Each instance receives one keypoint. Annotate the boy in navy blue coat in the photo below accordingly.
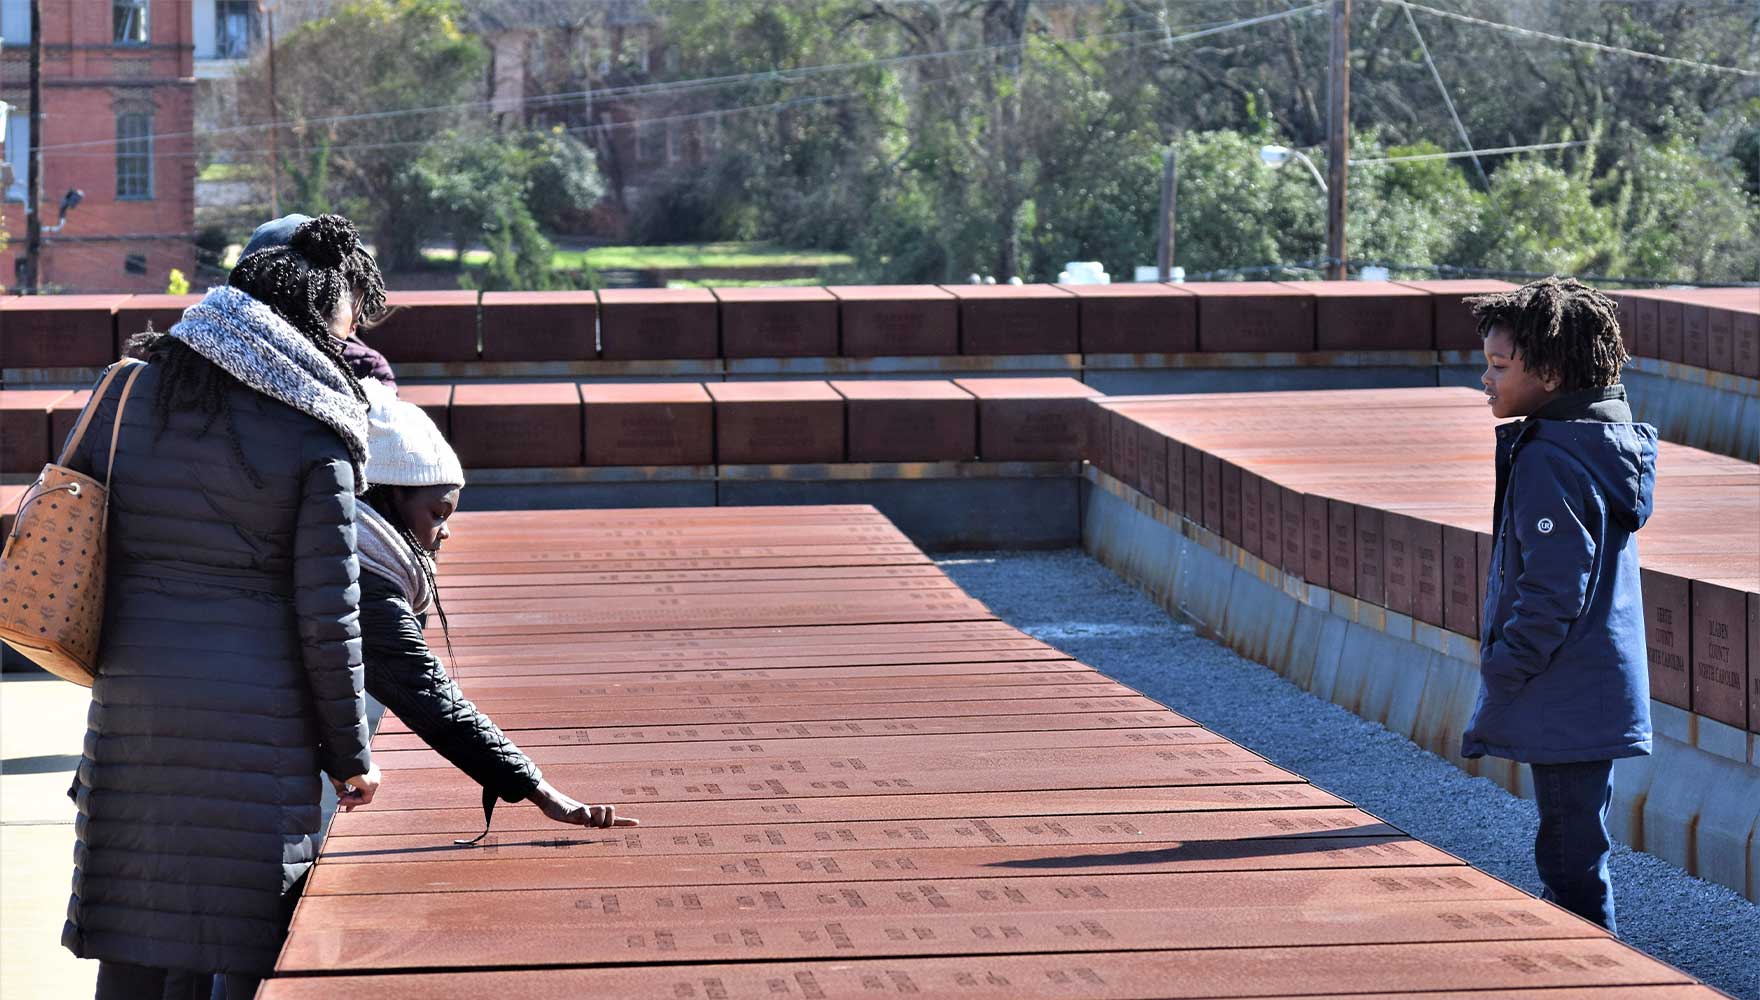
(1562, 655)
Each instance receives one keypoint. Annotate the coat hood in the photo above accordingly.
(1595, 427)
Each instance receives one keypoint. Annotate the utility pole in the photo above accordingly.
(33, 219)
(1338, 139)
(268, 11)
(1169, 206)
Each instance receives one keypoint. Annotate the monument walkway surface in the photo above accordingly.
(855, 781)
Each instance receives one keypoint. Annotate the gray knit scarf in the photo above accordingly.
(383, 551)
(248, 341)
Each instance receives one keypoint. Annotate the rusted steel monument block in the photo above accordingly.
(1370, 316)
(426, 327)
(1253, 316)
(777, 423)
(1030, 419)
(518, 426)
(1016, 319)
(58, 331)
(1136, 318)
(658, 324)
(897, 320)
(667, 423)
(782, 322)
(540, 326)
(931, 420)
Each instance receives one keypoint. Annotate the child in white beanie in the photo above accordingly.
(400, 524)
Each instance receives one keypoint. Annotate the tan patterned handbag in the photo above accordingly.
(52, 569)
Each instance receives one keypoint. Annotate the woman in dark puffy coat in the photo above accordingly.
(415, 480)
(229, 674)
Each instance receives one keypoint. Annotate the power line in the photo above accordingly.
(1536, 147)
(1491, 272)
(1580, 43)
(676, 86)
(1447, 100)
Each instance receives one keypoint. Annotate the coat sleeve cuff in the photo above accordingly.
(344, 768)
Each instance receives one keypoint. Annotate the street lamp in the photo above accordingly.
(1277, 156)
(69, 201)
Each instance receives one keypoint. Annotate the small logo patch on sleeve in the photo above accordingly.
(1544, 525)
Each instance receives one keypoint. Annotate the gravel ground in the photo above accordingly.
(1072, 602)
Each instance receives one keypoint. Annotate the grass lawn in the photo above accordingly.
(742, 283)
(230, 172)
(728, 255)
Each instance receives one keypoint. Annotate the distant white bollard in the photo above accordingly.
(1084, 272)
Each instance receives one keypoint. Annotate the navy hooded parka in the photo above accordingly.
(1562, 652)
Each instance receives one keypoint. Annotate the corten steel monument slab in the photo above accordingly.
(897, 320)
(1136, 318)
(1030, 419)
(658, 324)
(426, 326)
(535, 425)
(652, 424)
(539, 326)
(58, 331)
(1016, 319)
(138, 313)
(839, 806)
(1670, 327)
(1754, 663)
(1695, 334)
(914, 420)
(1720, 653)
(1641, 322)
(63, 417)
(782, 322)
(1253, 316)
(777, 423)
(1597, 967)
(24, 428)
(435, 401)
(1456, 329)
(1745, 341)
(1369, 316)
(1668, 637)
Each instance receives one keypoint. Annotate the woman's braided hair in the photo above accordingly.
(303, 282)
(1561, 328)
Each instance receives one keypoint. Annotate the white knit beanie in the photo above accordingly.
(404, 448)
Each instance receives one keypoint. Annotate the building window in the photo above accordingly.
(129, 18)
(15, 21)
(235, 28)
(134, 155)
(135, 263)
(650, 142)
(17, 166)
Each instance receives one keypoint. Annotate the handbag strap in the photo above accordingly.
(85, 417)
(117, 423)
(116, 432)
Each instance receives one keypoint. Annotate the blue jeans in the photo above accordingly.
(1572, 847)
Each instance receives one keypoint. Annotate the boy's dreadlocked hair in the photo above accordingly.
(1561, 327)
(380, 498)
(303, 282)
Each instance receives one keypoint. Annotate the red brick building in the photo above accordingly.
(118, 86)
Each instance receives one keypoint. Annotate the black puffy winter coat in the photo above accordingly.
(406, 677)
(229, 676)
